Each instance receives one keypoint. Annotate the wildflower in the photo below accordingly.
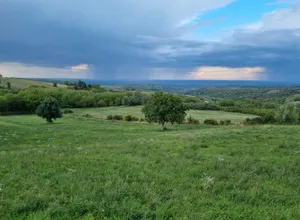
(208, 181)
(220, 158)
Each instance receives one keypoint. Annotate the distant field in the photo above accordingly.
(81, 168)
(24, 83)
(136, 111)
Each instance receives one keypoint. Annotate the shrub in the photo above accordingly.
(191, 120)
(269, 118)
(287, 113)
(210, 122)
(115, 117)
(254, 121)
(225, 122)
(118, 117)
(68, 111)
(109, 117)
(130, 118)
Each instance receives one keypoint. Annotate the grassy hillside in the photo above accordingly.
(25, 83)
(136, 111)
(80, 168)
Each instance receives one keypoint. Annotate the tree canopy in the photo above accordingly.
(49, 109)
(164, 108)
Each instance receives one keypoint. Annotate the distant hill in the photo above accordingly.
(25, 83)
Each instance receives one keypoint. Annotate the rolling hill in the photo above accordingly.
(25, 83)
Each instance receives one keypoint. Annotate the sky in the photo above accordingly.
(151, 39)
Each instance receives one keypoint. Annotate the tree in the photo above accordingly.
(49, 109)
(8, 85)
(164, 108)
(80, 85)
(287, 113)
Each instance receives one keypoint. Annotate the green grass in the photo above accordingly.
(25, 83)
(81, 168)
(136, 111)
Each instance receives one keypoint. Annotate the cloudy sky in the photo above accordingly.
(151, 39)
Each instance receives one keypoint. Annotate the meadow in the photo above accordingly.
(87, 168)
(201, 115)
(26, 83)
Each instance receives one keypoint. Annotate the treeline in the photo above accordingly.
(81, 85)
(247, 106)
(247, 92)
(27, 100)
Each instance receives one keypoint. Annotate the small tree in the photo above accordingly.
(164, 108)
(287, 113)
(8, 85)
(49, 109)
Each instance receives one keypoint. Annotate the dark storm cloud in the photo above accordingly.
(60, 34)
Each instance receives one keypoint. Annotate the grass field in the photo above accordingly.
(25, 83)
(81, 168)
(136, 111)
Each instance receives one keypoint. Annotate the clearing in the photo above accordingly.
(136, 111)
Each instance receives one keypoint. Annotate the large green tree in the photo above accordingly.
(49, 109)
(164, 108)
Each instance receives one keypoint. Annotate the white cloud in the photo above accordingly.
(286, 18)
(27, 71)
(80, 67)
(225, 73)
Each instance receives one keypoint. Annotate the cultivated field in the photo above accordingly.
(136, 111)
(82, 168)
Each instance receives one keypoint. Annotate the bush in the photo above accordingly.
(191, 120)
(118, 117)
(225, 122)
(269, 118)
(68, 111)
(109, 117)
(287, 113)
(210, 122)
(115, 117)
(130, 118)
(254, 121)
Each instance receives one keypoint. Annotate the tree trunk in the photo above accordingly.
(164, 125)
(49, 120)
